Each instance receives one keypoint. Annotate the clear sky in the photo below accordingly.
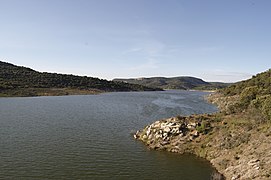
(217, 40)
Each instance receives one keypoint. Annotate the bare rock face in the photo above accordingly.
(169, 134)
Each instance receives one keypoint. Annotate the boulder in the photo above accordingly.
(163, 125)
(144, 137)
(136, 135)
(158, 136)
(195, 133)
(165, 134)
(164, 143)
(167, 129)
(192, 125)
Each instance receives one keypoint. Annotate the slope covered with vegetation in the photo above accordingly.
(183, 83)
(253, 94)
(236, 140)
(22, 81)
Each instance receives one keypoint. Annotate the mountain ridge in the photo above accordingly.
(179, 82)
(24, 81)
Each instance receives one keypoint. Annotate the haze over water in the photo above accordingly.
(89, 137)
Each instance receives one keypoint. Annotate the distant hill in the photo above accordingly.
(23, 81)
(183, 83)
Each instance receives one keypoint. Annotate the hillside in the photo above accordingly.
(183, 83)
(252, 94)
(22, 81)
(235, 140)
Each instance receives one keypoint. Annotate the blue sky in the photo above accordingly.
(217, 40)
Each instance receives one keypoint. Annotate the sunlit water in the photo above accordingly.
(89, 137)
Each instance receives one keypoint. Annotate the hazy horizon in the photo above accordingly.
(217, 41)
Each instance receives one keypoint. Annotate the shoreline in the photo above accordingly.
(44, 92)
(177, 135)
(210, 91)
(232, 147)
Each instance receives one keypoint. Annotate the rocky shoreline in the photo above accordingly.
(176, 133)
(236, 152)
(170, 134)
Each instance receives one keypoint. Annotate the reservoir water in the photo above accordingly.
(89, 137)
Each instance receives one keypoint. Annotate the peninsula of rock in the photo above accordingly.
(235, 140)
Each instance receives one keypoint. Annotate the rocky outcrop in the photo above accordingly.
(237, 149)
(171, 134)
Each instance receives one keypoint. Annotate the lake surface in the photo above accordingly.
(89, 137)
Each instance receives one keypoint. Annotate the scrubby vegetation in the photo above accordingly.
(250, 95)
(22, 81)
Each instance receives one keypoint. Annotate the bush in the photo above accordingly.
(247, 95)
(204, 127)
(266, 107)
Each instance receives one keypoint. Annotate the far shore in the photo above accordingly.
(37, 92)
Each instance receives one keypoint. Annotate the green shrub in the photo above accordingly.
(247, 95)
(266, 107)
(204, 127)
